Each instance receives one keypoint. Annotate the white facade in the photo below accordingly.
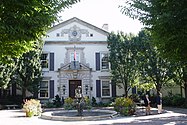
(76, 54)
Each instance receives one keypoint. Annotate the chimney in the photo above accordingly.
(105, 27)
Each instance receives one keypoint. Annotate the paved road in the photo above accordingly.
(171, 116)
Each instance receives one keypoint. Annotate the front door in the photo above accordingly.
(73, 84)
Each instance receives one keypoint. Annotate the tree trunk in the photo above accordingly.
(181, 90)
(185, 84)
(158, 86)
(23, 92)
(126, 91)
(185, 91)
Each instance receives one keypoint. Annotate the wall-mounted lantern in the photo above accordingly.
(86, 88)
(64, 89)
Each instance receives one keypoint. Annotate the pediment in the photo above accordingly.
(74, 66)
(76, 30)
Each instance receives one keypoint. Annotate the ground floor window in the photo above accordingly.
(44, 89)
(106, 88)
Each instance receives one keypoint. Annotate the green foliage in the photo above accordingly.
(87, 103)
(94, 101)
(135, 97)
(123, 59)
(125, 106)
(25, 21)
(49, 105)
(7, 70)
(177, 100)
(174, 100)
(166, 20)
(181, 76)
(68, 103)
(57, 101)
(102, 104)
(154, 70)
(29, 72)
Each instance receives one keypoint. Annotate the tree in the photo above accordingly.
(122, 60)
(29, 71)
(180, 77)
(167, 22)
(153, 67)
(22, 22)
(6, 72)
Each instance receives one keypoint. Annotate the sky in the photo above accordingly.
(99, 12)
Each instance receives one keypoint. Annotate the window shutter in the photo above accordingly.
(97, 56)
(113, 89)
(134, 90)
(51, 62)
(35, 94)
(14, 89)
(51, 92)
(98, 88)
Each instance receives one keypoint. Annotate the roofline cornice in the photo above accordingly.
(75, 19)
(72, 42)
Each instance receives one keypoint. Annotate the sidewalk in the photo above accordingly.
(170, 116)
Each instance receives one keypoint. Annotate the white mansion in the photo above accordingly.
(75, 54)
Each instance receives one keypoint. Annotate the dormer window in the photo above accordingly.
(58, 34)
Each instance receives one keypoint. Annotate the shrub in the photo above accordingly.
(87, 103)
(49, 105)
(178, 100)
(57, 101)
(167, 101)
(94, 101)
(101, 104)
(32, 107)
(135, 97)
(125, 106)
(174, 100)
(68, 103)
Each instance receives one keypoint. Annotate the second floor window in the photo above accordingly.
(104, 61)
(75, 57)
(44, 60)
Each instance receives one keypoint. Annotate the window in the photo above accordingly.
(76, 56)
(106, 89)
(44, 89)
(104, 61)
(44, 60)
(58, 34)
